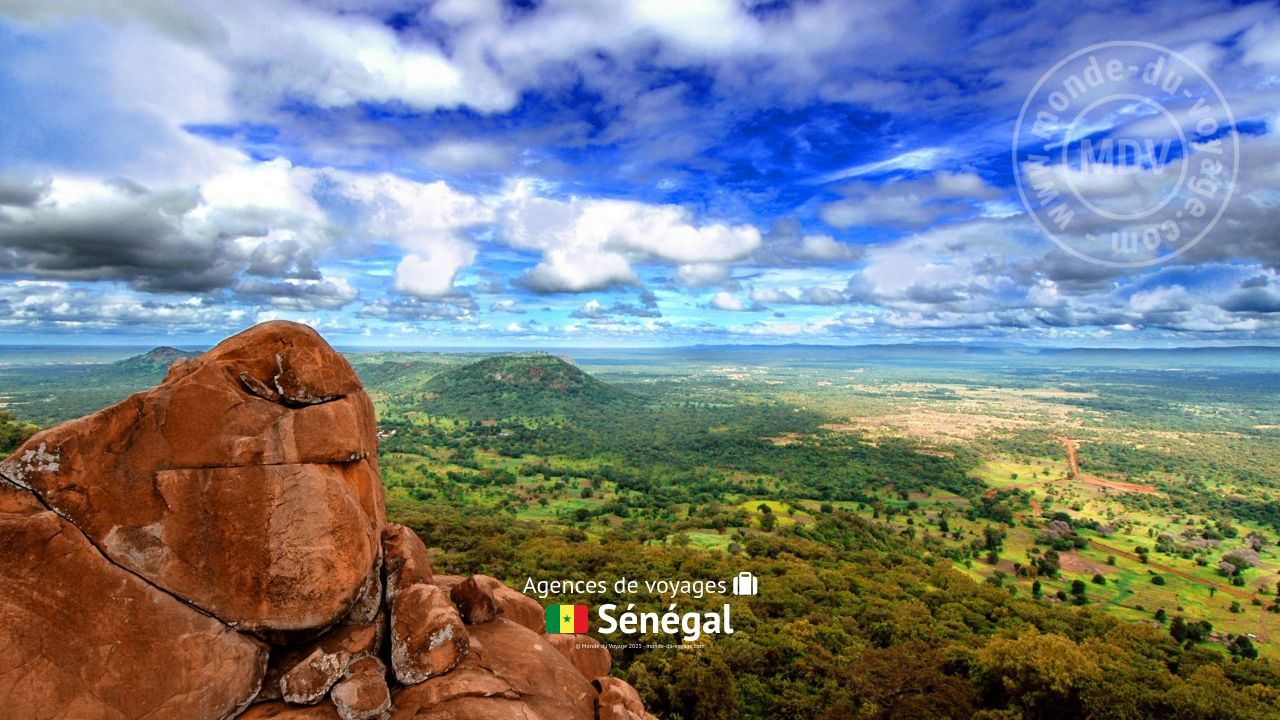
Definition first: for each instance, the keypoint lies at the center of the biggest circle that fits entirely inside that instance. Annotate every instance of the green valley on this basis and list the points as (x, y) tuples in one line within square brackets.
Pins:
[(933, 532)]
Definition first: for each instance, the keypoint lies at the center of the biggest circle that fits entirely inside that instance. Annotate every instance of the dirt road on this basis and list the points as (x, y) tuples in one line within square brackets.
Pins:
[(1229, 590), (1116, 485)]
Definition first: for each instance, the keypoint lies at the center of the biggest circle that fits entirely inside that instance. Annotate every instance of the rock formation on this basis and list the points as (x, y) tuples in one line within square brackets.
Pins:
[(217, 547)]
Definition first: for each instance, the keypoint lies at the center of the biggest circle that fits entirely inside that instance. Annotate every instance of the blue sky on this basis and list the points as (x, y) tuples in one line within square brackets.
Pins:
[(592, 173)]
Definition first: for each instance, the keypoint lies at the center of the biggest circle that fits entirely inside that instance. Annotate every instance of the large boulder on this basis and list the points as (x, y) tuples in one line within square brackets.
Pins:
[(510, 672), (363, 692), (345, 642), (284, 711), (407, 561), (82, 638), (618, 701), (427, 635), (481, 598), (216, 547), (245, 484), (584, 652)]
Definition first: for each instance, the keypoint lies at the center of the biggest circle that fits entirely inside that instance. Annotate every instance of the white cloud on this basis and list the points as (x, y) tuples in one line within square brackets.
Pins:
[(338, 60), (696, 275), (1173, 298), (589, 244), (250, 217), (771, 296), (1261, 45), (506, 305), (427, 219), (431, 274), (274, 184), (37, 305), (727, 301), (592, 309), (926, 158), (567, 270), (299, 293), (822, 247)]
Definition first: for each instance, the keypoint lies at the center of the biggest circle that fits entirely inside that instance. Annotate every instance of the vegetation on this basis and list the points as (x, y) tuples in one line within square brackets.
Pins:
[(854, 622), (13, 433), (519, 386), (924, 546)]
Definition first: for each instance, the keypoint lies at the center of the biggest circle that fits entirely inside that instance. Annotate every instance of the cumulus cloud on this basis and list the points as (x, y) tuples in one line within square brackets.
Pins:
[(22, 192), (54, 306), (299, 294), (727, 301), (569, 271), (698, 275), (165, 93), (818, 295), (590, 244), (591, 310), (253, 218), (1253, 300), (595, 310), (429, 220), (771, 296), (787, 245), (431, 274), (811, 295), (412, 309)]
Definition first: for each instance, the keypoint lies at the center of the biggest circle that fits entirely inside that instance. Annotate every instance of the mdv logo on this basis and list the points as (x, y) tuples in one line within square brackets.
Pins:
[(1127, 156)]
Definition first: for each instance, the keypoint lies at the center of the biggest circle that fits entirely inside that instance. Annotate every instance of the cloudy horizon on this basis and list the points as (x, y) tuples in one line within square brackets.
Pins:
[(466, 173)]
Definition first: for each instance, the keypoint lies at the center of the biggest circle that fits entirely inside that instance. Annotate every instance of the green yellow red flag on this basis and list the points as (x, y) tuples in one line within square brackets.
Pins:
[(566, 618)]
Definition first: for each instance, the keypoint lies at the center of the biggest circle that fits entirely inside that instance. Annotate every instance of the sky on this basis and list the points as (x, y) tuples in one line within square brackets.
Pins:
[(592, 173)]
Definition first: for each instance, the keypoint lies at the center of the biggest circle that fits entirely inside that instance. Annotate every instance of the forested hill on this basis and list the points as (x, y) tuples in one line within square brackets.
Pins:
[(146, 369), (520, 385)]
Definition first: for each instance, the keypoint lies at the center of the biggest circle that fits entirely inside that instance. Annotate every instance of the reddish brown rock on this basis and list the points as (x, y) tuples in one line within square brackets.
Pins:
[(517, 607), (511, 672), (427, 634), (348, 642), (618, 701), (447, 582), (245, 484), (406, 559), (474, 600), (584, 652), (82, 638), (315, 543), (363, 693), (309, 681), (481, 598), (283, 711), (369, 600)]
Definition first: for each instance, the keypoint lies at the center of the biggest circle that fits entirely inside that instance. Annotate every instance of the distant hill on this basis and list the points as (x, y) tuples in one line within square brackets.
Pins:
[(514, 385), (143, 370)]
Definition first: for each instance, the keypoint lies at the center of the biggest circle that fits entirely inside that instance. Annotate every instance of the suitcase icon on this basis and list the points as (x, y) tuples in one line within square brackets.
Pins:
[(744, 583)]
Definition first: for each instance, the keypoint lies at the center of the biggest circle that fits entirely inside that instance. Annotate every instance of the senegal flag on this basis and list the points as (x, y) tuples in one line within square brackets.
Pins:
[(566, 618)]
